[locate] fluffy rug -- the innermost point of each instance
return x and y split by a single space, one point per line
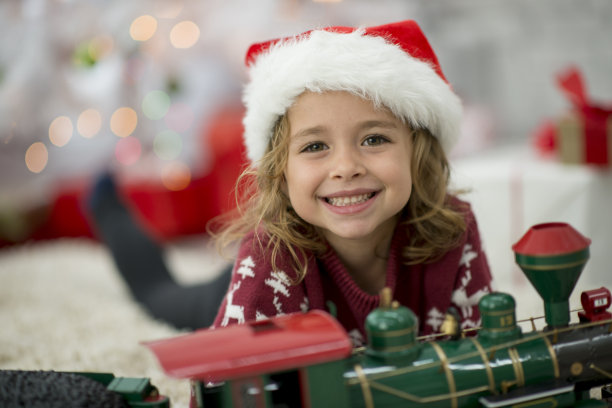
64 307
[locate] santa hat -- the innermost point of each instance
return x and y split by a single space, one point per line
392 65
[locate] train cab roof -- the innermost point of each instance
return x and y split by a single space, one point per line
271 345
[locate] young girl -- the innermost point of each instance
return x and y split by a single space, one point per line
347 133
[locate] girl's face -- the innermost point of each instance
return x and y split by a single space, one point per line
348 167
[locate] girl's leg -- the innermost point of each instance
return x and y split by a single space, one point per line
140 260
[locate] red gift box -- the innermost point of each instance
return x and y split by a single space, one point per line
584 135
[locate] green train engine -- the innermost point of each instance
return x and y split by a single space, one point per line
306 360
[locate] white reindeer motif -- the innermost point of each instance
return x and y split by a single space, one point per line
279 283
465 302
435 318
233 311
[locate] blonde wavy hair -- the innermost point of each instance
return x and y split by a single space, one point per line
435 221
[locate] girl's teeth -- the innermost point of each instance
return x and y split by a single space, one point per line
344 201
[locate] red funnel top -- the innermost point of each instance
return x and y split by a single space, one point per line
554 238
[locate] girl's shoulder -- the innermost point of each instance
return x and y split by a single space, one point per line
256 244
260 247
464 208
471 234
459 204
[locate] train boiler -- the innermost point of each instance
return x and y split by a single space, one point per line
306 360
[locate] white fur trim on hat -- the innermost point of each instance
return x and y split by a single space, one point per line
365 65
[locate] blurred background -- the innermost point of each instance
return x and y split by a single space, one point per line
150 90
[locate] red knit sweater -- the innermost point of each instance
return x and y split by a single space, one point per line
459 279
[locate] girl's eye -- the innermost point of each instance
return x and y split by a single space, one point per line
313 147
375 140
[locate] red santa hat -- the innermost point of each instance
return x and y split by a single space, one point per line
392 65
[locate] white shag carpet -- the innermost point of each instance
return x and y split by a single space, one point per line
64 307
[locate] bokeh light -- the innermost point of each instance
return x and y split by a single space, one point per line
89 123
128 150
36 157
124 121
184 34
143 28
179 117
155 104
176 176
60 131
167 145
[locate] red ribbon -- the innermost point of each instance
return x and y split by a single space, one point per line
594 118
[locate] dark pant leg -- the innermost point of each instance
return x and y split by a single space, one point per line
140 261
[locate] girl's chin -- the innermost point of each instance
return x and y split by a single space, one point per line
356 234
360 231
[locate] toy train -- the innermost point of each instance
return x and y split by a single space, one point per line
306 360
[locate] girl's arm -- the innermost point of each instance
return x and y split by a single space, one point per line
257 291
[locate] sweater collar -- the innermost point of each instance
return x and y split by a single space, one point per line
343 280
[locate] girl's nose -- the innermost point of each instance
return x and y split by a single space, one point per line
346 165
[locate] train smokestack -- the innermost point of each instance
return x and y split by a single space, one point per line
552 256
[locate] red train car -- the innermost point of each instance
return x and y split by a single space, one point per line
595 303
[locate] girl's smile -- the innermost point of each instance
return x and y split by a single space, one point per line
349 202
348 168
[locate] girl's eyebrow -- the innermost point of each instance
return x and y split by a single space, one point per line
369 124
315 130
378 124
